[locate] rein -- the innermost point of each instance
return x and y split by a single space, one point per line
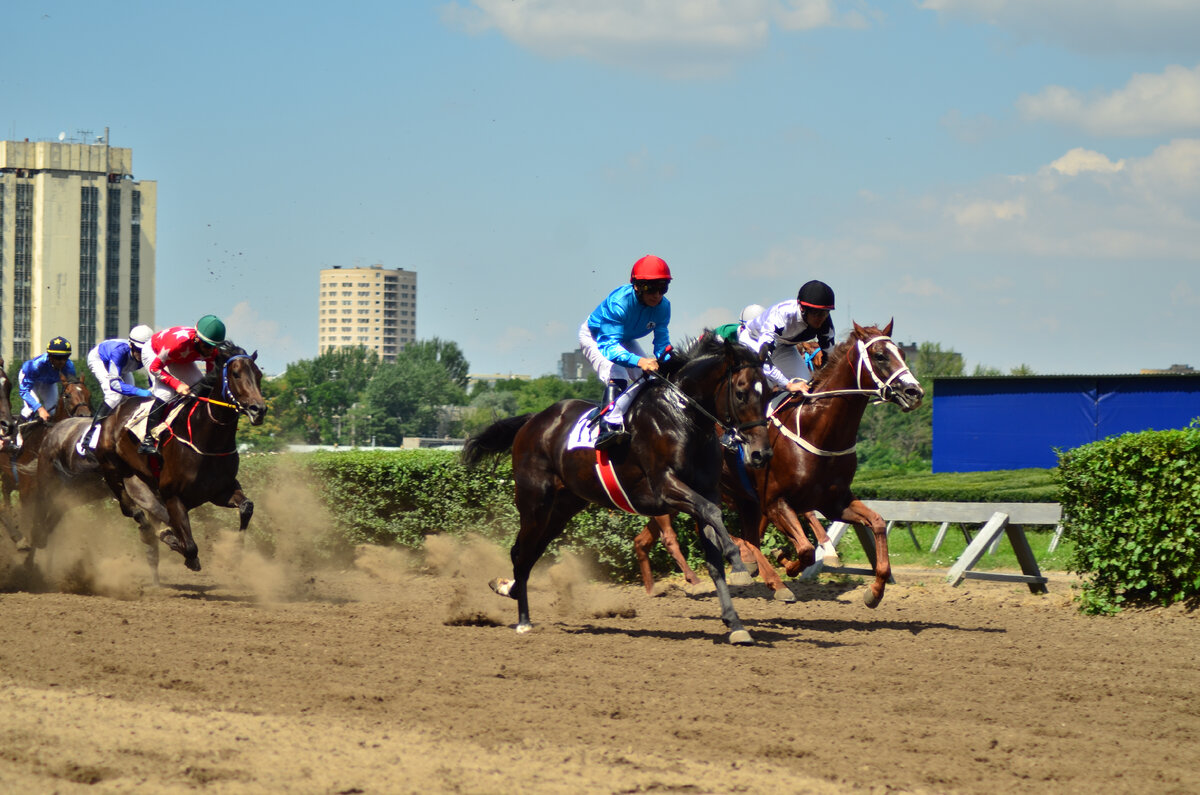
226 392
883 393
733 432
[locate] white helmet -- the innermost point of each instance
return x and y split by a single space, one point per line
140 335
751 312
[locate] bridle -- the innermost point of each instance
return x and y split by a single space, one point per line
883 393
732 437
234 403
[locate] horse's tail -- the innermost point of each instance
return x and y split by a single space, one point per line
493 440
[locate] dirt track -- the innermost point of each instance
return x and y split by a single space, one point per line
255 675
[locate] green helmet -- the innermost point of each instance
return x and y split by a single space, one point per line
59 347
210 329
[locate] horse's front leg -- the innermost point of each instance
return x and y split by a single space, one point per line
718 549
236 498
788 522
179 536
830 555
860 514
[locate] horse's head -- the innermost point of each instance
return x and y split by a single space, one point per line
875 364
241 382
728 376
75 399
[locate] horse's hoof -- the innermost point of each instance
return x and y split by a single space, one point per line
741 638
871 599
739 578
192 563
784 594
502 587
831 561
523 628
751 567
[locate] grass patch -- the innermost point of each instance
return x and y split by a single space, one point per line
904 552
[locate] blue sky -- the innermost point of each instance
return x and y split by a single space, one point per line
1017 180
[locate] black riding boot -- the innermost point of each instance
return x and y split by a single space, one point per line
611 433
149 444
85 447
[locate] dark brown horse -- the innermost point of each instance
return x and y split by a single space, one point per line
18 468
198 459
813 440
672 462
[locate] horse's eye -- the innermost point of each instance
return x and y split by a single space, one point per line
742 395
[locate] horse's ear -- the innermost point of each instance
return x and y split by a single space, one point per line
887 330
862 332
254 356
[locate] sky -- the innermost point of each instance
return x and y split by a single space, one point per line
1014 180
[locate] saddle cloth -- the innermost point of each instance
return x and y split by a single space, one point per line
136 424
583 434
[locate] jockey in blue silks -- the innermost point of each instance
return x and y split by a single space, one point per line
609 337
113 362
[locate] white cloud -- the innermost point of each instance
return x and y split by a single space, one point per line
677 38
922 288
1149 104
1102 27
1079 160
977 213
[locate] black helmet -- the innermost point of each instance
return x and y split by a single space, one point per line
816 295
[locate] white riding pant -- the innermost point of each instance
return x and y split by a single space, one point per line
187 372
112 398
47 395
609 370
787 359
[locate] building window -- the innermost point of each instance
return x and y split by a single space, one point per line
135 257
112 266
23 272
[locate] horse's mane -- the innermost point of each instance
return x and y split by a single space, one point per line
839 352
693 355
212 379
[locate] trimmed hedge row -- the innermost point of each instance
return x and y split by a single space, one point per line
398 498
1131 504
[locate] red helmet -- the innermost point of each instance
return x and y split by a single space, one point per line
650 268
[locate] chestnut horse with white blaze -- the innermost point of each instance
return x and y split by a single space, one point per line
813 438
672 462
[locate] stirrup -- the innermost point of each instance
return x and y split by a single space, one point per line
610 436
148 446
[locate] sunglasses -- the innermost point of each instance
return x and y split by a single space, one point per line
659 286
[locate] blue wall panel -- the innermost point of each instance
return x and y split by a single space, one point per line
981 424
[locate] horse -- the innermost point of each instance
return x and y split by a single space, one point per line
672 462
18 467
198 459
814 461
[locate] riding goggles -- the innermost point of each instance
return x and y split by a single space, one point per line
655 286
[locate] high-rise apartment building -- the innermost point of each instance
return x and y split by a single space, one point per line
77 243
375 307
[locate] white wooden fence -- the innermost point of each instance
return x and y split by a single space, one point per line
1010 518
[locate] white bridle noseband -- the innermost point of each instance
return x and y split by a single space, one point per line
882 393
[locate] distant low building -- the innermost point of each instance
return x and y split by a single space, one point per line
1181 369
491 378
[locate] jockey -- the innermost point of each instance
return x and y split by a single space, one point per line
783 328
729 331
171 358
113 362
608 338
39 377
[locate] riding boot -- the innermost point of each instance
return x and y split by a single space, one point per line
86 446
149 445
611 433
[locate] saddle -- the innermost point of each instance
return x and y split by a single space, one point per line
136 424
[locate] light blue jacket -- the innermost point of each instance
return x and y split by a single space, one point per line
622 318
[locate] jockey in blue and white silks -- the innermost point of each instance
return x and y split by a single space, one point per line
609 339
113 362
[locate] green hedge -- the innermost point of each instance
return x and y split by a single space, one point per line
1131 504
398 498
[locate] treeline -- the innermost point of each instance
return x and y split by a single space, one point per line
349 397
